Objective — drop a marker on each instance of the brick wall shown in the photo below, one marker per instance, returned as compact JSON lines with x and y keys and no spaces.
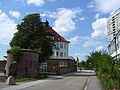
{"x":27,"y":65}
{"x":2,"y":66}
{"x":54,"y":66}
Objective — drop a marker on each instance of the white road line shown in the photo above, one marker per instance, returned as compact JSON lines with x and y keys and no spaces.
{"x":87,"y":82}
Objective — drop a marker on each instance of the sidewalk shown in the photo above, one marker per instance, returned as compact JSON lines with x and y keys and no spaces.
{"x":26,"y":84}
{"x":94,"y":83}
{"x":29,"y":84}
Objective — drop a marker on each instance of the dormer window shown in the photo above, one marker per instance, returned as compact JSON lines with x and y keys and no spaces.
{"x":52,"y":37}
{"x":58,"y":38}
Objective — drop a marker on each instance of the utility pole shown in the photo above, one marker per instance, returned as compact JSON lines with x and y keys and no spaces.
{"x":115,"y":46}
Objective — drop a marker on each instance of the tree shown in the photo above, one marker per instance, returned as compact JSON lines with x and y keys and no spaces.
{"x":31,"y":35}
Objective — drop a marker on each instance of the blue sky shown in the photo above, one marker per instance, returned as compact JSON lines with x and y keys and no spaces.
{"x":83,"y":22}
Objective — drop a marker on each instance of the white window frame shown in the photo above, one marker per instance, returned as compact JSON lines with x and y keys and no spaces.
{"x":63,"y":64}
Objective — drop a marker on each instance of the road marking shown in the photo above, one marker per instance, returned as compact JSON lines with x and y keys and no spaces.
{"x":87,"y":82}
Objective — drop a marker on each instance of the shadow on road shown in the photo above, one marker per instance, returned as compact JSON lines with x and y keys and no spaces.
{"x":83,"y":73}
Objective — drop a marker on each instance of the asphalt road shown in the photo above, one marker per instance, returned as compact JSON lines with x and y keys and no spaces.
{"x":76,"y":81}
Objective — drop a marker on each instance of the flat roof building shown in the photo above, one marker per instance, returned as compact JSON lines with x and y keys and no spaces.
{"x":113,"y":29}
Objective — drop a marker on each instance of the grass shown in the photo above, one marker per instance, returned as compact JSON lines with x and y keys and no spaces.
{"x":40,"y":75}
{"x":47,"y":73}
{"x":23,"y":79}
{"x":3,"y":78}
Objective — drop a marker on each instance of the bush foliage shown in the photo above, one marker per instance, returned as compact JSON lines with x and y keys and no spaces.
{"x":15,"y":51}
{"x":107,"y":69}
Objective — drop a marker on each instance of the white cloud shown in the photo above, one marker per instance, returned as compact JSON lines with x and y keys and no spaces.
{"x":15,"y":14}
{"x":99,"y":27}
{"x":91,"y":43}
{"x":64,"y":23}
{"x":86,"y":38}
{"x":42,"y":15}
{"x":75,"y":40}
{"x":36,"y":2}
{"x":79,"y":54}
{"x":97,"y":16}
{"x":99,"y":48}
{"x":90,"y":5}
{"x":7,"y":28}
{"x":82,"y":18}
{"x":52,"y":0}
{"x":105,"y":6}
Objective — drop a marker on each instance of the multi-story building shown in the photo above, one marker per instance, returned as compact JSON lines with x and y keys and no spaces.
{"x":113,"y":24}
{"x":60,"y":51}
{"x":113,"y":28}
{"x":60,"y":62}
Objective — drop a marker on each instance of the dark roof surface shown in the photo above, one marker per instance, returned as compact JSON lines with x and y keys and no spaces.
{"x":57,"y":37}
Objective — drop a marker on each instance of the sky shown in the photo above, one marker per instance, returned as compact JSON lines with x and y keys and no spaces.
{"x":82,"y":22}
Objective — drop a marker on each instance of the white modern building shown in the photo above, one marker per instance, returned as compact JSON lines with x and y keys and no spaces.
{"x":113,"y":24}
{"x":113,"y":28}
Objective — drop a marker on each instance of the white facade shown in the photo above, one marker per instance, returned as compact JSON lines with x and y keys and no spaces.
{"x":60,"y":51}
{"x":113,"y":24}
{"x":114,"y":47}
{"x":113,"y":28}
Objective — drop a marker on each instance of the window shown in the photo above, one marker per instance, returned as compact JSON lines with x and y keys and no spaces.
{"x":63,"y":64}
{"x":52,"y":37}
{"x":53,"y":53}
{"x":43,"y":67}
{"x":61,"y":54}
{"x":58,"y":38}
{"x":64,"y":54}
{"x":61,"y":45}
{"x":57,"y":54}
{"x":57,"y":45}
{"x":64,"y":45}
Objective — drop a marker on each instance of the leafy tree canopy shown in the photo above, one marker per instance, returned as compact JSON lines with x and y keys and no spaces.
{"x":31,"y":35}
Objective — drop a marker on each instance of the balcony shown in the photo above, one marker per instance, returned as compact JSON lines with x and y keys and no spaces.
{"x":56,"y":48}
{"x":57,"y":57}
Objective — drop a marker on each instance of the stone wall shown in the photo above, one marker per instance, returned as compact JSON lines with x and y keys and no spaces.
{"x":2,"y":66}
{"x":54,"y":66}
{"x":27,"y":65}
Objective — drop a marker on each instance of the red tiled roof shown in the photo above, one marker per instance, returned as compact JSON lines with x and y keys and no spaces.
{"x":50,"y":30}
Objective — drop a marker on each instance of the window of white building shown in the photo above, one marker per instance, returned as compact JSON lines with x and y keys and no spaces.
{"x":61,"y":45}
{"x":64,"y":45}
{"x":57,"y":45}
{"x":61,"y":54}
{"x":64,"y":54}
{"x":57,"y":53}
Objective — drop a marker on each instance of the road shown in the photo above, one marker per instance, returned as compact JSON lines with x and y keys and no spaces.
{"x":76,"y":81}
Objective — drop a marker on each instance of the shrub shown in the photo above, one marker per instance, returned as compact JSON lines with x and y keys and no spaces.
{"x":44,"y":74}
{"x":23,"y":79}
{"x":107,"y":69}
{"x":15,"y":51}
